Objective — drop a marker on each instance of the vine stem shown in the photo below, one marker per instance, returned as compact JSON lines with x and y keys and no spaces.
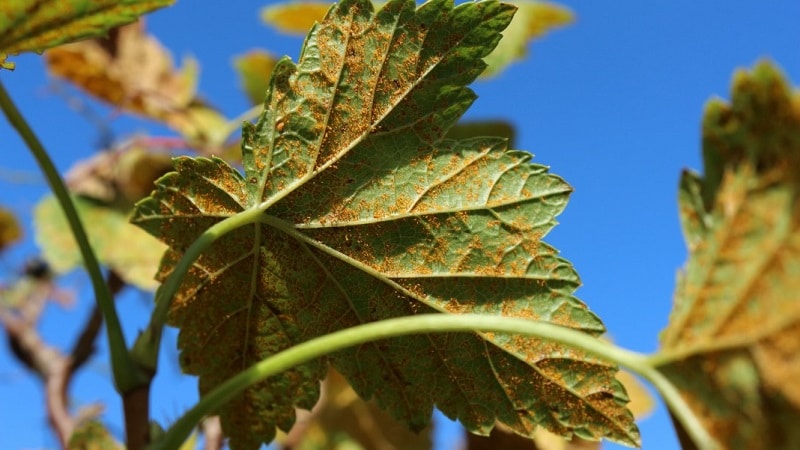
{"x":431,"y":323}
{"x":126,"y":375}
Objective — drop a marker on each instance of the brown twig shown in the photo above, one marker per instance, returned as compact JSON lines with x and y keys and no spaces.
{"x":136,"y":405}
{"x":53,"y":367}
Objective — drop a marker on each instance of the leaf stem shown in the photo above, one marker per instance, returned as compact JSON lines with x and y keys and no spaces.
{"x":126,"y":376}
{"x":145,"y":349}
{"x":428,"y":323}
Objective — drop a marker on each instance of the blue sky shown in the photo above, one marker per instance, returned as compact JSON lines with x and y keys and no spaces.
{"x":612,"y":104}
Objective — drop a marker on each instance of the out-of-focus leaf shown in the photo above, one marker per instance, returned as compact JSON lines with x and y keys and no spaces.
{"x":691,"y":209}
{"x":36,"y":25}
{"x":503,"y":438}
{"x":340,"y":411}
{"x":296,"y":17}
{"x":369,"y":213}
{"x":642,"y":403}
{"x":93,"y":435}
{"x":132,"y":71}
{"x":734,"y":332}
{"x":466,"y":130}
{"x":533,"y":20}
{"x":126,"y":249}
{"x":190,"y":444}
{"x":255,"y":69}
{"x":118,"y":178}
{"x":10,"y":231}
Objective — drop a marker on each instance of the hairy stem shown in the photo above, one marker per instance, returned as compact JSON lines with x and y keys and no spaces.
{"x":433,"y":323}
{"x":126,"y":376}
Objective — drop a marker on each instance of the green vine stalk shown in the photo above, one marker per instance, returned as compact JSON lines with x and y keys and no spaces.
{"x":434,"y":323}
{"x":126,"y":375}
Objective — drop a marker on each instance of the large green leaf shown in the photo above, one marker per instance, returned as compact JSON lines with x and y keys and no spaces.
{"x":370,"y":214}
{"x":36,"y":25}
{"x":735,"y":328}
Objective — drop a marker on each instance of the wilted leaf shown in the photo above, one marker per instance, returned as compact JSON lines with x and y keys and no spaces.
{"x":129,"y":251}
{"x":295,"y":17}
{"x":255,"y":69}
{"x":369,"y":214}
{"x":10,"y":231}
{"x":735,"y":328}
{"x":93,"y":435}
{"x":36,"y":25}
{"x":533,"y":20}
{"x":340,"y":411}
{"x":132,"y":71}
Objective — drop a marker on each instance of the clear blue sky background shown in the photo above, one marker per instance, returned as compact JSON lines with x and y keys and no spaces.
{"x":612,"y":104}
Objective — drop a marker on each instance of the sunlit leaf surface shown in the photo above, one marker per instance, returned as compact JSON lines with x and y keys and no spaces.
{"x":736,"y":319}
{"x":36,"y":25}
{"x":295,"y":17}
{"x":371,"y":214}
{"x":134,"y":72}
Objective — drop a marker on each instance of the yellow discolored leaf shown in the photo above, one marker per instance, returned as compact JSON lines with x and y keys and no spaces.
{"x":126,"y":249}
{"x":295,"y":17}
{"x":255,"y":69}
{"x":642,"y":403}
{"x":36,"y":25}
{"x":733,"y":342}
{"x":533,"y":20}
{"x":134,"y":72}
{"x":93,"y":435}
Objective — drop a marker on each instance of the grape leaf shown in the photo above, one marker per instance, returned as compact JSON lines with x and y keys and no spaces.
{"x":735,"y":327}
{"x":36,"y":25}
{"x":370,"y":214}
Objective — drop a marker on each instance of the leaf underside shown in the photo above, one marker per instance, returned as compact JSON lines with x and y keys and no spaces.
{"x":36,"y":25}
{"x":370,"y":214}
{"x":737,"y":304}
